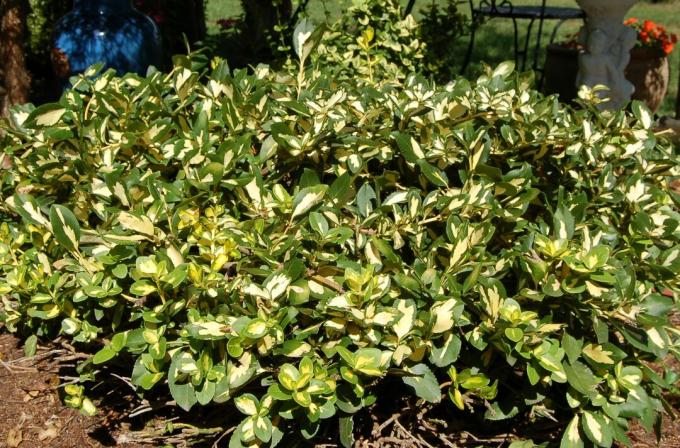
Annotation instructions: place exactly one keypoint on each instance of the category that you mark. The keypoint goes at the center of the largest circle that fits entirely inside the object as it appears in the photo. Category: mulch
(33, 416)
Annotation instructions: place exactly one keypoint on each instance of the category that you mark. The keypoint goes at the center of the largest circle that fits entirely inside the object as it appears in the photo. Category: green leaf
(533, 375)
(444, 315)
(408, 147)
(571, 437)
(563, 223)
(433, 174)
(288, 376)
(308, 198)
(457, 398)
(501, 411)
(514, 334)
(642, 113)
(205, 394)
(104, 355)
(120, 271)
(183, 392)
(176, 277)
(31, 345)
(118, 341)
(629, 377)
(210, 330)
(504, 69)
(255, 329)
(318, 223)
(142, 288)
(28, 209)
(65, 226)
(597, 428)
(263, 428)
(549, 362)
(340, 187)
(598, 354)
(365, 198)
(247, 404)
(306, 37)
(47, 115)
(446, 354)
(88, 408)
(346, 430)
(424, 383)
(236, 437)
(522, 444)
(572, 347)
(367, 361)
(581, 378)
(398, 197)
(138, 224)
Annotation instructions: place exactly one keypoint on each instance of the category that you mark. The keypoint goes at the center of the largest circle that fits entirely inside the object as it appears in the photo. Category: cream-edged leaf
(307, 198)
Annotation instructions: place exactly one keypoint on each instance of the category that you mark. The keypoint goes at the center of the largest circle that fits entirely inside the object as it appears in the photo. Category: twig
(328, 282)
(125, 380)
(418, 440)
(37, 357)
(385, 424)
(446, 441)
(73, 357)
(500, 438)
(12, 369)
(223, 435)
(394, 440)
(146, 407)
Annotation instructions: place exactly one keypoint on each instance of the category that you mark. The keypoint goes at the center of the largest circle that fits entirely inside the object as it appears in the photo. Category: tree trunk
(198, 30)
(15, 79)
(261, 16)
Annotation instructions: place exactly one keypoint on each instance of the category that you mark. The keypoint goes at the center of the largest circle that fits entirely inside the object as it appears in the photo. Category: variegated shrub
(282, 242)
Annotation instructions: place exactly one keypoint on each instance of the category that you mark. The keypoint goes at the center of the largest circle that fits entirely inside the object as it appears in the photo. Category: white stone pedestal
(607, 44)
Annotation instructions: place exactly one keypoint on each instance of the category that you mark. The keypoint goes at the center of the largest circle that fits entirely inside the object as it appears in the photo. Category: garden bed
(35, 417)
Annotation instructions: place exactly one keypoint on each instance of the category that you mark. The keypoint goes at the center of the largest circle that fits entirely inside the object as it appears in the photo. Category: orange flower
(652, 35)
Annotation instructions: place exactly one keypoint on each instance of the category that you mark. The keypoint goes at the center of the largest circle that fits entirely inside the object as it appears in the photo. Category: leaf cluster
(283, 242)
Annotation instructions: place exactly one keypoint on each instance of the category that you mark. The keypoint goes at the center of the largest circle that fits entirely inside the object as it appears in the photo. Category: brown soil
(33, 416)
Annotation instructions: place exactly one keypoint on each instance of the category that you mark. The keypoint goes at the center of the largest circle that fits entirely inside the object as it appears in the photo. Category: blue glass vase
(108, 31)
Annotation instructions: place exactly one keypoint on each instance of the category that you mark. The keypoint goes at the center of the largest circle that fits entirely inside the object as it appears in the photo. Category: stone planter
(607, 44)
(648, 71)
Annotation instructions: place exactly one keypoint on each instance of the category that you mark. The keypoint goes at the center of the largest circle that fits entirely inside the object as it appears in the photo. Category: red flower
(648, 25)
(652, 35)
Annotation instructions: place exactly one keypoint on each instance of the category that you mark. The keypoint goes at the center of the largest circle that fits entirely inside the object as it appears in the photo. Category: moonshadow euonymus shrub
(283, 243)
(373, 40)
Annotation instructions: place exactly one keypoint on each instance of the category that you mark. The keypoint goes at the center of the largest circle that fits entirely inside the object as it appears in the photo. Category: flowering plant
(653, 35)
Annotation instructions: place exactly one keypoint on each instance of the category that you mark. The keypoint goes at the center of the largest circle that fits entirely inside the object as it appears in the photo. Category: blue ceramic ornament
(108, 31)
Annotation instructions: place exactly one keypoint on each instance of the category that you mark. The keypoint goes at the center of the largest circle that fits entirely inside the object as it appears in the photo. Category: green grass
(494, 39)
